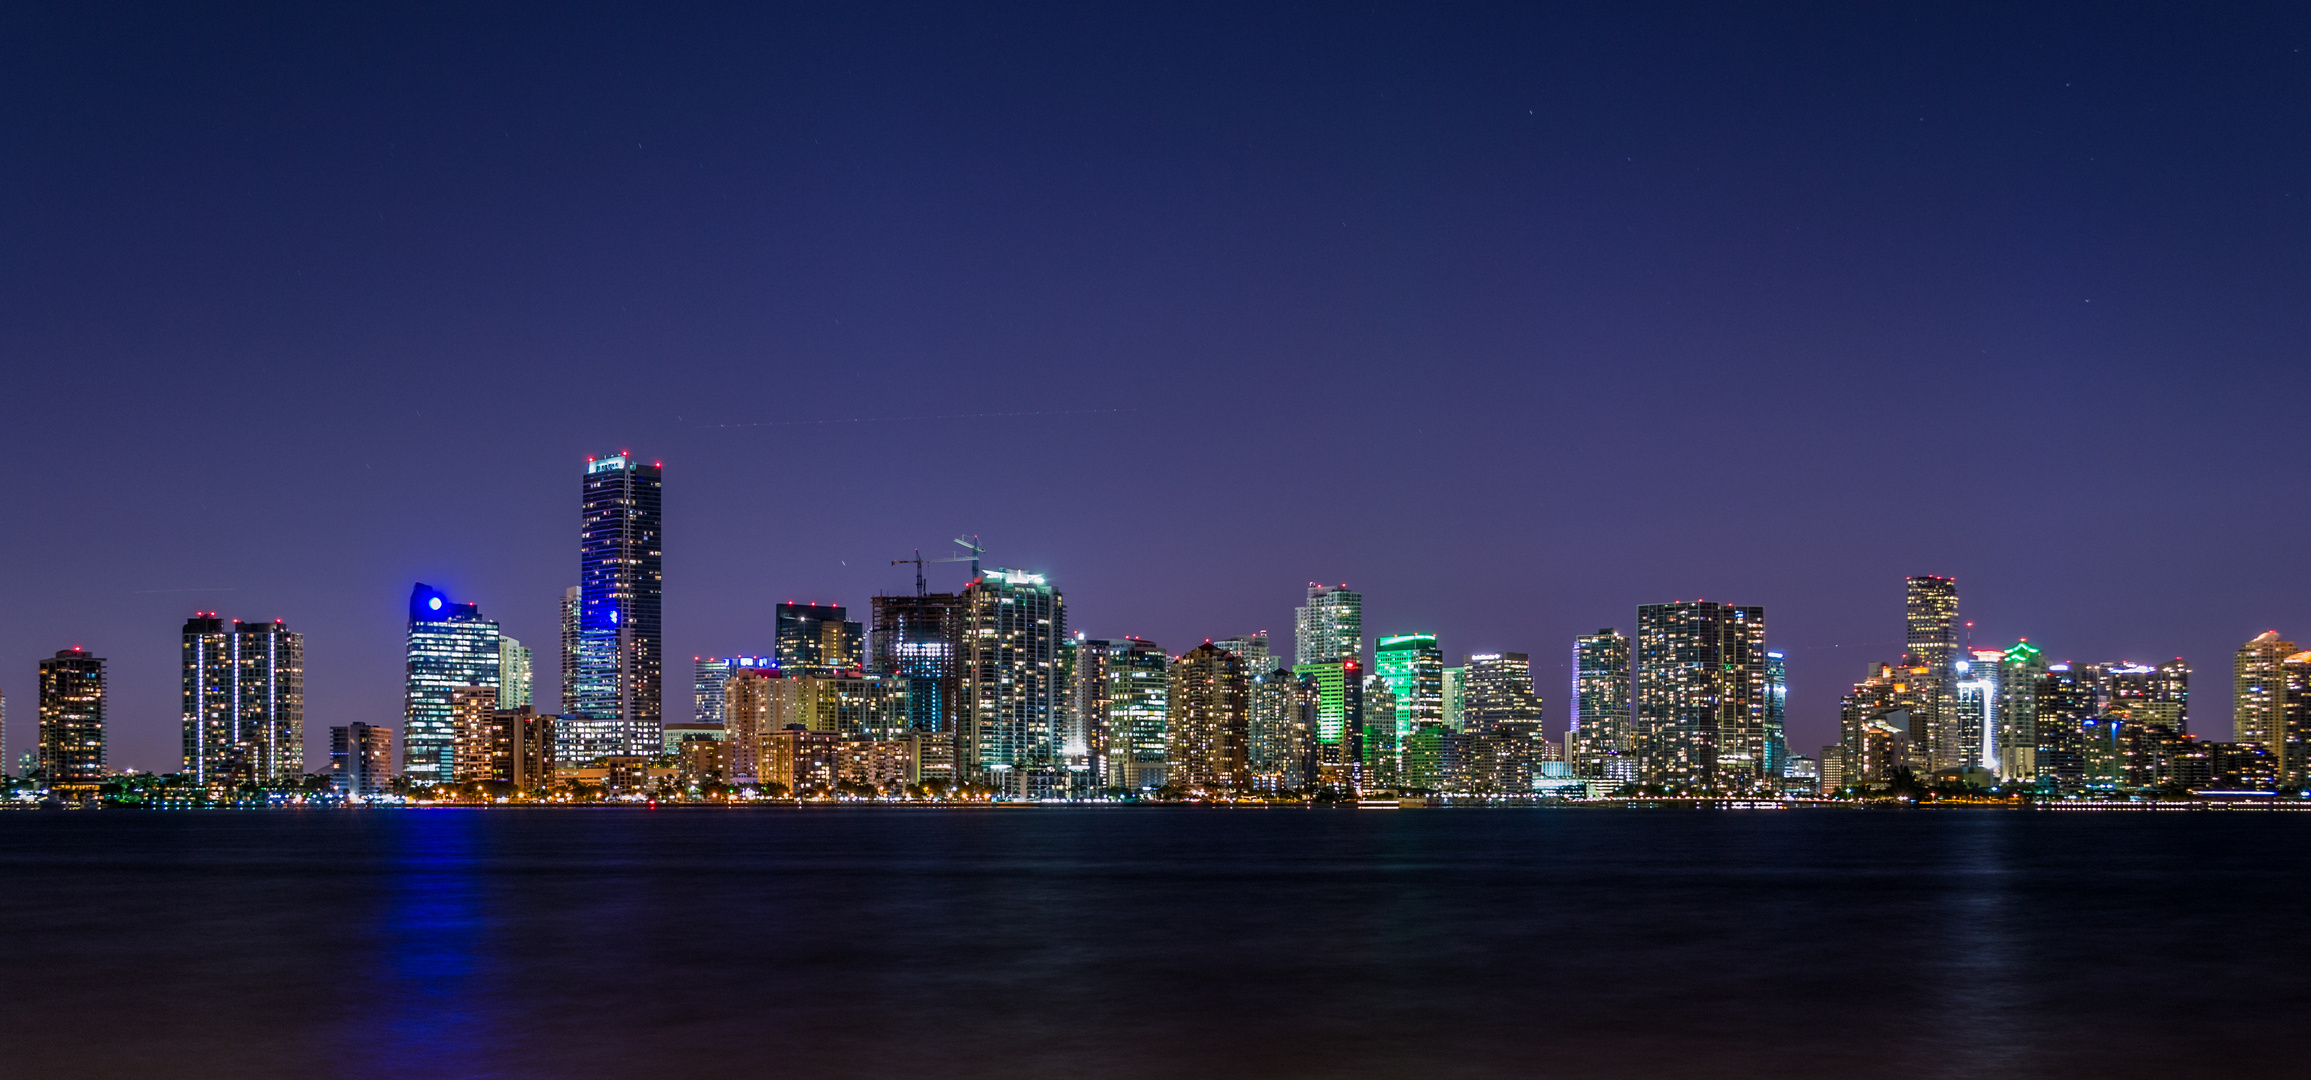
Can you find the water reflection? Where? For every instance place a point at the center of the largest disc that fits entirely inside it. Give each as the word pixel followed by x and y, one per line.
pixel 433 965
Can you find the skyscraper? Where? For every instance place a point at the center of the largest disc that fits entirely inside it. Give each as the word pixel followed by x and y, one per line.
pixel 244 701
pixel 620 650
pixel 1413 668
pixel 1700 695
pixel 450 645
pixel 1979 699
pixel 1122 696
pixel 1253 648
pixel 1776 714
pixel 918 637
pixel 1011 703
pixel 2019 670
pixel 360 759
pixel 2062 703
pixel 1339 751
pixel 1330 628
pixel 1930 641
pixel 1456 698
pixel 72 710
pixel 1282 732
pixel 1210 722
pixel 709 673
pixel 1600 732
pixel 569 648
pixel 514 682
pixel 817 639
pixel 2259 692
pixel 1497 692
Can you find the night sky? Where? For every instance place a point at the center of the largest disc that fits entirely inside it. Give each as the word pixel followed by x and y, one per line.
pixel 1510 319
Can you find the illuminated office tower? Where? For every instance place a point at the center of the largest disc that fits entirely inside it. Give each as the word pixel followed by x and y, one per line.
pixel 450 645
pixel 1455 698
pixel 1210 712
pixel 243 701
pixel 620 650
pixel 360 759
pixel 72 708
pixel 1978 701
pixel 1122 695
pixel 1330 628
pixel 1497 692
pixel 1930 641
pixel 916 637
pixel 2062 703
pixel 1700 695
pixel 816 639
pixel 1281 751
pixel 1599 743
pixel 515 683
pixel 1253 649
pixel 1011 705
pixel 1339 736
pixel 2019 669
pixel 1413 668
pixel 1776 714
pixel 2259 692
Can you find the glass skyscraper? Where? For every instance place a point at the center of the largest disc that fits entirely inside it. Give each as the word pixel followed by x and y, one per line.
pixel 1930 640
pixel 72 712
pixel 450 646
pixel 1497 691
pixel 244 701
pixel 1413 668
pixel 1012 706
pixel 620 652
pixel 817 639
pixel 1122 699
pixel 1599 744
pixel 1339 691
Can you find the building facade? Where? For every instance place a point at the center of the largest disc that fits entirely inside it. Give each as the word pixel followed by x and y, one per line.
pixel 514 677
pixel 243 697
pixel 620 661
pixel 1497 691
pixel 1210 713
pixel 72 718
pixel 1700 696
pixel 918 638
pixel 450 645
pixel 1330 627
pixel 1281 749
pixel 1122 697
pixel 1413 668
pixel 1930 642
pixel 1012 707
pixel 819 639
pixel 1599 743
pixel 1339 736
pixel 360 759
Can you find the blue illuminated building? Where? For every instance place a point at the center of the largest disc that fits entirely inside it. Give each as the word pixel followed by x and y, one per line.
pixel 450 645
pixel 620 652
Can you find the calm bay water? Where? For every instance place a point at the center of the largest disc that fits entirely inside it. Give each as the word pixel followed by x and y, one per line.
pixel 1175 943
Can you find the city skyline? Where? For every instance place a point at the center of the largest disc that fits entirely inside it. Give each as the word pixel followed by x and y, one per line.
pixel 1514 320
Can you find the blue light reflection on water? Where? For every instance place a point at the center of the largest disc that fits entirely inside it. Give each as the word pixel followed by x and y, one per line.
pixel 432 962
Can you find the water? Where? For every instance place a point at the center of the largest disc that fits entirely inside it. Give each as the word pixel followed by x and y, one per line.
pixel 1172 943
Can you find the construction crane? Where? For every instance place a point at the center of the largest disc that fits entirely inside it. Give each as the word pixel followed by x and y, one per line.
pixel 919 560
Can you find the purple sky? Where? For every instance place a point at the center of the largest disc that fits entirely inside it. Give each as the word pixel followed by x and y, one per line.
pixel 1512 320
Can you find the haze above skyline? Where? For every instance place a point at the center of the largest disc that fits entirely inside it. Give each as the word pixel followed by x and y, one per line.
pixel 1512 320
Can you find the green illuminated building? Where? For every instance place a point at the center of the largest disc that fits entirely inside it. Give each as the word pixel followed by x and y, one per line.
pixel 1413 668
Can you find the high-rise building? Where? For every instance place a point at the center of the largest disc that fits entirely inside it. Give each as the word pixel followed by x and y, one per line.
pixel 620 648
pixel 2292 761
pixel 244 701
pixel 72 709
pixel 505 746
pixel 1253 649
pixel 1330 628
pixel 569 648
pixel 1012 706
pixel 1976 717
pixel 1776 714
pixel 1599 744
pixel 2259 692
pixel 1875 721
pixel 1122 696
pixel 2019 669
pixel 1930 642
pixel 360 759
pixel 1210 712
pixel 1282 733
pixel 2062 703
pixel 1413 668
pixel 1497 691
pixel 1339 736
pixel 708 673
pixel 450 645
pixel 917 637
pixel 1382 767
pixel 1700 695
pixel 817 639
pixel 514 682
pixel 1456 698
